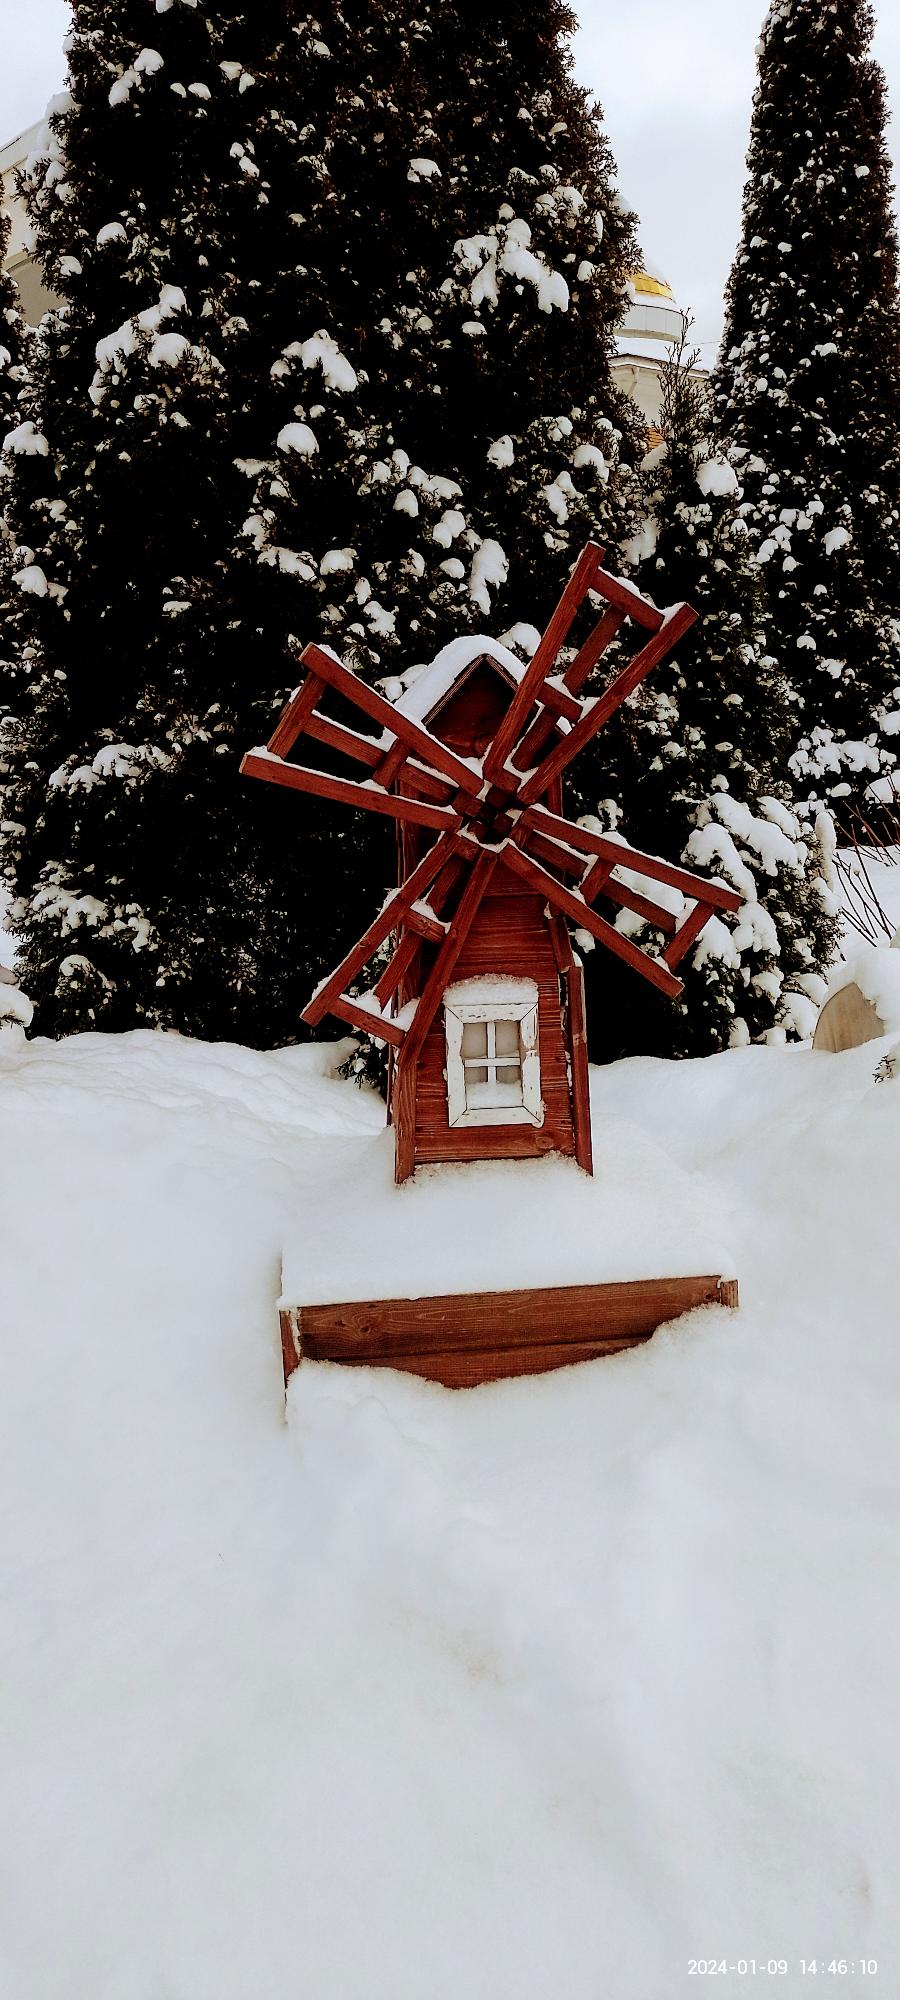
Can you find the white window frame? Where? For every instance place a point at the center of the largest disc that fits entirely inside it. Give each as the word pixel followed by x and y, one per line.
pixel 489 1001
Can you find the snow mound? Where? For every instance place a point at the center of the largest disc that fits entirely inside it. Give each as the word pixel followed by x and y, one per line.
pixel 519 1691
pixel 876 971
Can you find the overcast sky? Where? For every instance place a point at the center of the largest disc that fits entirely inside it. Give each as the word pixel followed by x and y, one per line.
pixel 675 83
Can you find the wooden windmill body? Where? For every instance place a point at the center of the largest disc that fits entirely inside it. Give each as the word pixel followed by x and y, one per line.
pixel 481 998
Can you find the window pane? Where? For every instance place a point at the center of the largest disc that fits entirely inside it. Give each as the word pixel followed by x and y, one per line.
pixel 507 1038
pixel 474 1040
pixel 493 1096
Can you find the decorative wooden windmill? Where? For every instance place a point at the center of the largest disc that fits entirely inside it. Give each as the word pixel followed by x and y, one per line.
pixel 481 998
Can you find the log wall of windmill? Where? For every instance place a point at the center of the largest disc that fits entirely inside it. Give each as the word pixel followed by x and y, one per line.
pixel 512 938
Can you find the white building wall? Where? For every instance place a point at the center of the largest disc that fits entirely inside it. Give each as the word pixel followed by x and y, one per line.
pixel 32 290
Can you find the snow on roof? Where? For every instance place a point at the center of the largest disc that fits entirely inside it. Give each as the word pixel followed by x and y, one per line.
pixel 432 684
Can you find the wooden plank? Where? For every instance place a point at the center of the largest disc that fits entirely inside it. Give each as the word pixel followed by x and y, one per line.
pixel 594 718
pixel 403 1119
pixel 395 911
pixel 439 977
pixel 685 937
pixel 595 645
pixel 629 602
pixel 555 697
pixel 574 677
pixel 294 718
pixel 581 1088
pixel 598 880
pixel 692 886
pixel 432 751
pixel 581 913
pixel 407 950
pixel 583 576
pixel 366 798
pixel 391 765
pixel 428 928
pixel 472 1337
pixel 367 1024
pixel 366 750
pixel 594 881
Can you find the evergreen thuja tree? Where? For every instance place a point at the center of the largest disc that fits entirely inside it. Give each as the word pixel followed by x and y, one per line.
pixel 449 431
pixel 160 209
pixel 448 434
pixel 18 439
pixel 695 762
pixel 808 386
pixel 333 363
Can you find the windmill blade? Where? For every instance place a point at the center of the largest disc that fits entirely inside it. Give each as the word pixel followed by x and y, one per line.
pixel 620 854
pixel 678 621
pixel 367 796
pixel 370 750
pixel 439 977
pixel 580 669
pixel 586 570
pixel 397 910
pixel 597 879
pixel 403 958
pixel 434 754
pixel 580 913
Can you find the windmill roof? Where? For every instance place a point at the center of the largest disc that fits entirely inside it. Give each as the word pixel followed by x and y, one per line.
pixel 431 685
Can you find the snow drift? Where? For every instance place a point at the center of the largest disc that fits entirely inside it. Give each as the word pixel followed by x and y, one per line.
pixel 544 1688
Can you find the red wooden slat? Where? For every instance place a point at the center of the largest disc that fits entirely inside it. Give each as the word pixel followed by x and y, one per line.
pixel 368 1024
pixel 588 920
pixel 597 880
pixel 559 701
pixel 408 947
pixel 434 753
pixel 293 719
pixel 391 765
pixel 439 977
pixel 606 704
pixel 299 779
pixel 629 601
pixel 580 669
pixel 692 886
pixel 389 919
pixel 594 647
pixel 516 717
pixel 594 881
pixel 366 751
pixel 581 1089
pixel 686 936
pixel 429 928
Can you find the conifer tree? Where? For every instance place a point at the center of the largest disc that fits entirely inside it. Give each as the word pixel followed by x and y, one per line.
pixel 695 760
pixel 17 438
pixel 449 434
pixel 132 849
pixel 809 386
pixel 334 363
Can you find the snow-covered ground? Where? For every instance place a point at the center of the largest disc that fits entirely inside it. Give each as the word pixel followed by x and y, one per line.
pixel 539 1690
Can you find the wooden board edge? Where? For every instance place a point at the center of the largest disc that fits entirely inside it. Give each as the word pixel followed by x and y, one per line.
pixel 289 1325
pixel 467 1362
